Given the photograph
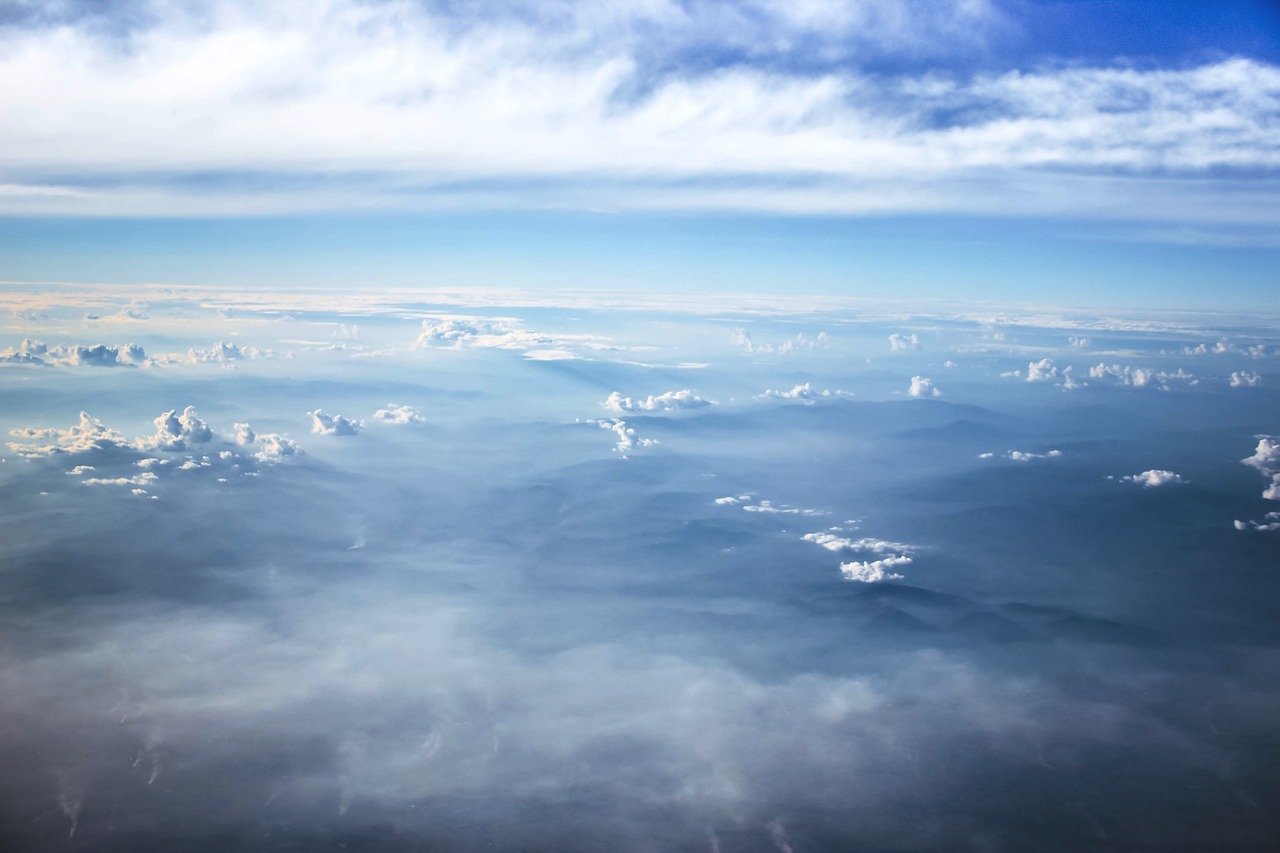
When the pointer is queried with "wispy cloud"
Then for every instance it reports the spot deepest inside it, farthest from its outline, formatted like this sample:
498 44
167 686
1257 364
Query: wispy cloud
706 105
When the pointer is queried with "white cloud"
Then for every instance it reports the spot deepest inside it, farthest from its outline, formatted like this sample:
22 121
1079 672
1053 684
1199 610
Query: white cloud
1078 341
922 387
398 414
1245 379
1141 377
324 424
176 432
1022 456
900 343
626 438
558 95
1154 478
1266 458
87 436
667 401
800 341
1269 522
874 571
75 355
144 479
834 542
224 352
1041 371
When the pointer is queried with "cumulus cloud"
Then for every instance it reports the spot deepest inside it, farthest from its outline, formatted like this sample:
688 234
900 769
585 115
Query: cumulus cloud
1043 370
176 432
1153 478
1141 377
471 332
899 342
665 402
833 541
742 338
325 424
874 571
27 352
224 352
804 392
1245 379
922 387
748 503
75 355
89 435
395 413
1266 458
625 436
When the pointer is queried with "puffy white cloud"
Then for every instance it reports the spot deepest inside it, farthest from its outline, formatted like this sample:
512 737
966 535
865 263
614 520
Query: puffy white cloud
176 432
471 332
27 352
273 448
899 342
144 479
395 413
325 424
1141 377
665 402
75 355
835 542
224 352
804 392
1043 370
922 387
874 571
626 436
1153 478
1245 379
800 341
1078 341
1266 458
87 436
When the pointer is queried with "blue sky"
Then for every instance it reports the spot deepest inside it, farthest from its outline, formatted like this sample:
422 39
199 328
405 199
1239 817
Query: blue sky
1063 152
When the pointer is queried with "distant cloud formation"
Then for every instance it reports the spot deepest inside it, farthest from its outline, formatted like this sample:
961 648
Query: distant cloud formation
742 338
325 424
175 433
665 402
1043 370
75 355
875 571
1266 458
1244 379
805 392
900 343
1020 455
1142 377
399 414
1154 478
922 387
625 437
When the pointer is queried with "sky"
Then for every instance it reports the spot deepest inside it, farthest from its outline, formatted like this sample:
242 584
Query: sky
1073 153
639 426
